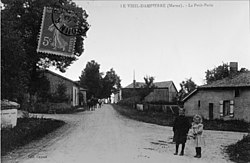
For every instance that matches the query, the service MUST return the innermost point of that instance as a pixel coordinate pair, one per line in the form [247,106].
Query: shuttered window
[227,108]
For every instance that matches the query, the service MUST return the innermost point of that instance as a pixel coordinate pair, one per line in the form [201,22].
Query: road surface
[104,136]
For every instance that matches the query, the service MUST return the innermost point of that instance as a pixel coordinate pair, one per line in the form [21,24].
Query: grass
[164,119]
[240,151]
[148,117]
[27,129]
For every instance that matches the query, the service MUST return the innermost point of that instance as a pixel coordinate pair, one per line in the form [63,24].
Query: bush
[41,108]
[53,108]
[148,117]
[227,125]
[131,101]
[240,151]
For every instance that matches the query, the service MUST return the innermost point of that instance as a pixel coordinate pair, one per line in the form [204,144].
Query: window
[227,108]
[199,104]
[236,92]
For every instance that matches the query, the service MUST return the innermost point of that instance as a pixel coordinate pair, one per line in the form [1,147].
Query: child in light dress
[197,134]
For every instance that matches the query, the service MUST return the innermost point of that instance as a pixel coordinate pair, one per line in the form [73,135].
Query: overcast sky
[163,41]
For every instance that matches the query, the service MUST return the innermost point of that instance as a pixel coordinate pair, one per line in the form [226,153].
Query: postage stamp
[52,40]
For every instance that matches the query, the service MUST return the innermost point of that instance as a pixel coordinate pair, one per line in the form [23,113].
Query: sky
[169,40]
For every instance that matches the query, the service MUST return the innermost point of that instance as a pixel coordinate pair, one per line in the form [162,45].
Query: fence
[169,109]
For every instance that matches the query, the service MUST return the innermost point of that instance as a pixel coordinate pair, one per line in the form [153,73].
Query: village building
[77,95]
[162,92]
[225,99]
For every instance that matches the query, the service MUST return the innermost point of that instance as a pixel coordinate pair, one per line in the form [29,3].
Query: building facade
[163,91]
[76,94]
[226,99]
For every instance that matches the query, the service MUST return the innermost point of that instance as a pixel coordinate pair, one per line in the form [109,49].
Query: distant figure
[89,104]
[197,130]
[99,103]
[92,103]
[181,128]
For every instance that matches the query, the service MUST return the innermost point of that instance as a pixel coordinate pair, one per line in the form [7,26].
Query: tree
[14,77]
[98,86]
[43,88]
[147,88]
[220,72]
[91,79]
[243,70]
[60,94]
[217,73]
[187,87]
[110,83]
[21,21]
[149,82]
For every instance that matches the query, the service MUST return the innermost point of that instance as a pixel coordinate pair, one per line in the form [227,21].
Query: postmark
[70,22]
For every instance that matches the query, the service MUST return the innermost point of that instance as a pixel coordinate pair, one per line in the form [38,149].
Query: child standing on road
[197,129]
[181,128]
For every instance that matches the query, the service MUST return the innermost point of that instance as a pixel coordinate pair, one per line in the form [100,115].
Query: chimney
[133,83]
[233,67]
[134,80]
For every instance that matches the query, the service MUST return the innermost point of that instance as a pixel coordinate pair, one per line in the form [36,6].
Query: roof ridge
[239,79]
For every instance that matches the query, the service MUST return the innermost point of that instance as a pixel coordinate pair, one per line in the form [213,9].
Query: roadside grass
[164,119]
[27,129]
[148,117]
[240,151]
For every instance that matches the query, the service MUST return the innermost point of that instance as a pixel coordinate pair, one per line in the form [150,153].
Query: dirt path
[104,136]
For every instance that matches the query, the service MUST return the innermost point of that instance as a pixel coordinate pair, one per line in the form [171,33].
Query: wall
[75,96]
[158,95]
[172,93]
[55,80]
[84,96]
[242,105]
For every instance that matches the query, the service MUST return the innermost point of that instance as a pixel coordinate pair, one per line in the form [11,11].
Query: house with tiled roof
[226,99]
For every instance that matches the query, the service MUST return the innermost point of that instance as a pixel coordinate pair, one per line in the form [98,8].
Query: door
[211,111]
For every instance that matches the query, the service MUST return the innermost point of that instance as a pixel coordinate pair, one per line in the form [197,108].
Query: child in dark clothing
[181,128]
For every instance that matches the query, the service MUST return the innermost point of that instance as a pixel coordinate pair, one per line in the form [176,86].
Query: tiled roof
[60,76]
[137,85]
[165,84]
[239,80]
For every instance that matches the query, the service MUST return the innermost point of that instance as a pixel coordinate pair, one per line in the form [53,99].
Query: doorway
[211,111]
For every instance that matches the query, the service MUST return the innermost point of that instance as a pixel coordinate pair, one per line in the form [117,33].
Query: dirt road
[104,136]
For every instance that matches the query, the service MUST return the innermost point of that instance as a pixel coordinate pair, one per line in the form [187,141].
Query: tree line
[98,84]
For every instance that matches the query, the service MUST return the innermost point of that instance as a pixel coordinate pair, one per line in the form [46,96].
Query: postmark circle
[66,21]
